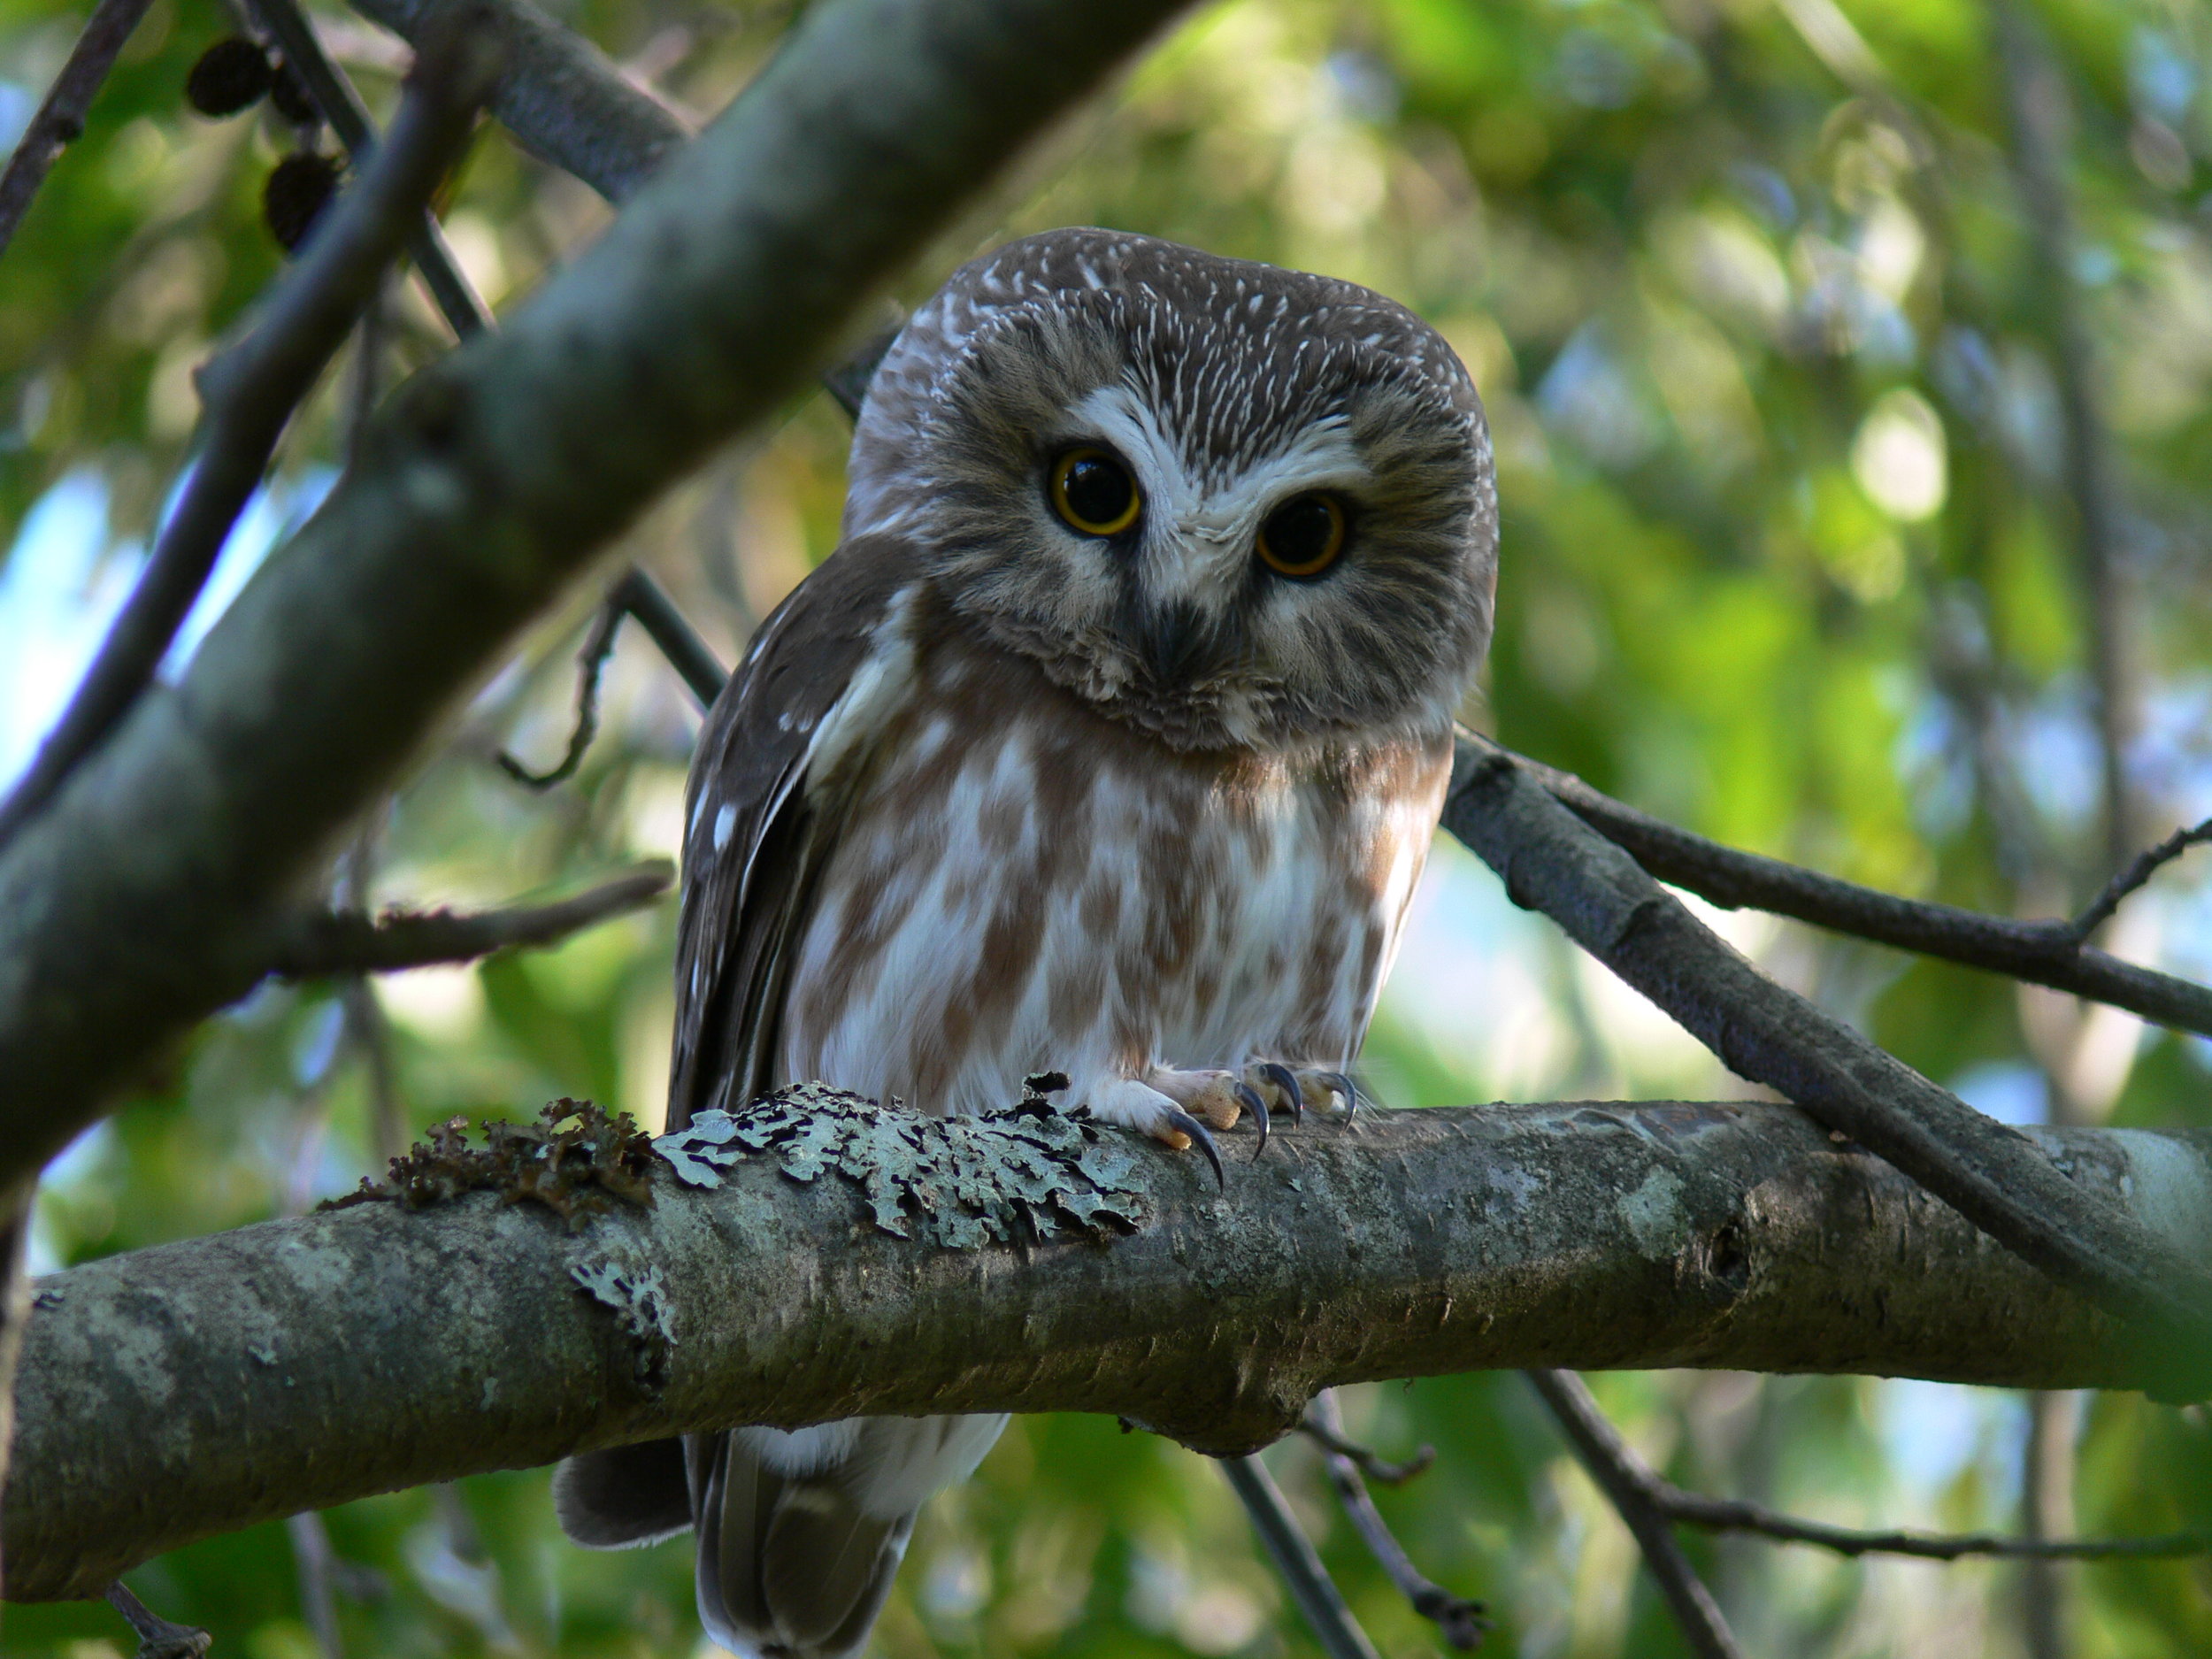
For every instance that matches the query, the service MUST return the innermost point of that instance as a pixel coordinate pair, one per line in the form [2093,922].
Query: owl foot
[1156,1112]
[1297,1088]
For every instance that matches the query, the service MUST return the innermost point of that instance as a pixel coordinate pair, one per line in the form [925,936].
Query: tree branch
[142,898]
[1319,1600]
[251,391]
[334,97]
[561,96]
[2042,953]
[327,942]
[60,118]
[1458,1620]
[1614,1467]
[1995,1176]
[201,1386]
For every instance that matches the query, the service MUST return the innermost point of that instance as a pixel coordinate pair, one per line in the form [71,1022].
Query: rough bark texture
[201,1386]
[142,898]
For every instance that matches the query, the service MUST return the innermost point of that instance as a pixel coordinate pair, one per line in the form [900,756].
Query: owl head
[1229,504]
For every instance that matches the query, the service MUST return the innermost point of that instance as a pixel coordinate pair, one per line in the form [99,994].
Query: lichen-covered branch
[144,896]
[186,1390]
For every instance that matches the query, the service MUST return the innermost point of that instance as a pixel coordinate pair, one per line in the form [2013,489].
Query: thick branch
[326,942]
[2042,953]
[251,391]
[561,96]
[142,898]
[200,1386]
[60,118]
[1996,1177]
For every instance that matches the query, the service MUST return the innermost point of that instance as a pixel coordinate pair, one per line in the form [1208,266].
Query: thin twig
[315,1561]
[1319,1426]
[1294,1557]
[60,118]
[2140,869]
[2037,105]
[1458,1620]
[687,653]
[2040,952]
[251,391]
[1995,1177]
[328,943]
[591,662]
[1617,1469]
[341,107]
[158,1638]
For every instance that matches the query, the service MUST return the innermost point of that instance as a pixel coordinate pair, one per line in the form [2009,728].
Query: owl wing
[822,671]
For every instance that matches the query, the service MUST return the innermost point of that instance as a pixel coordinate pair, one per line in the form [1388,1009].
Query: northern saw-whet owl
[1109,742]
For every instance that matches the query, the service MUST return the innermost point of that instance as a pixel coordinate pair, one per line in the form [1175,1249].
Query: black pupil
[1299,532]
[1097,490]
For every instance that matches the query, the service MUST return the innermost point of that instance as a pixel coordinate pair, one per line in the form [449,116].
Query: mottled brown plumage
[1002,790]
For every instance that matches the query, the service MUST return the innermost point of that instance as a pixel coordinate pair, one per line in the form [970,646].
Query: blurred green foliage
[1749,293]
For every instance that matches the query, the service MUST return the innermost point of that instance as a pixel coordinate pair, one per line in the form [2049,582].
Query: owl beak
[1173,641]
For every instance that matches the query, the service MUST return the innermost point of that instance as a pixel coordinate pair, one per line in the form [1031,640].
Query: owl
[1110,742]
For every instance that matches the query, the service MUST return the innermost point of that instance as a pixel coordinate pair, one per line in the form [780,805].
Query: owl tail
[800,1534]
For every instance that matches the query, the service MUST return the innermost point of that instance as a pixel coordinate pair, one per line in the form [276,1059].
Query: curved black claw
[1345,1086]
[1178,1118]
[1286,1079]
[1258,1107]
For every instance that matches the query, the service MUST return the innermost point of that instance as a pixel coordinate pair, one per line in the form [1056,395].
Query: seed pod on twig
[295,194]
[289,94]
[230,75]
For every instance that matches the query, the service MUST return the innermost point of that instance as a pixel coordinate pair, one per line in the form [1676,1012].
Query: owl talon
[1176,1118]
[1258,1107]
[1284,1081]
[1345,1086]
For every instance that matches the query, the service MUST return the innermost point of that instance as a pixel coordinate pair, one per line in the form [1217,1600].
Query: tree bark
[202,1387]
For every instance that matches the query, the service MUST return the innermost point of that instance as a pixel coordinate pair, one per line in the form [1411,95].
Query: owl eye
[1303,537]
[1093,492]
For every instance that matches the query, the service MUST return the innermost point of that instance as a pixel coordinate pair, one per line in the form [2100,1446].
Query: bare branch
[2042,953]
[1318,1599]
[687,653]
[141,900]
[1619,1472]
[1319,1426]
[1458,1620]
[591,662]
[59,121]
[158,1638]
[302,1364]
[336,942]
[1733,1514]
[2139,870]
[334,97]
[563,98]
[251,390]
[1550,860]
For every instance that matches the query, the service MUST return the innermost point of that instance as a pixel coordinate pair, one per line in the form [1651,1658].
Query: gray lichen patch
[642,1309]
[958,1182]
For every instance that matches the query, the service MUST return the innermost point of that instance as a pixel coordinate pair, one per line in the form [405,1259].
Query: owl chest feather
[1021,885]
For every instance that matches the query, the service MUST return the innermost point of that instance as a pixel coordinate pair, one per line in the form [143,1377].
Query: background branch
[327,942]
[2041,953]
[60,118]
[300,1364]
[251,391]
[1995,1176]
[1614,1467]
[1320,1601]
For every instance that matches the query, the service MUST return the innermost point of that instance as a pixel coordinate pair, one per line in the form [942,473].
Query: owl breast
[1021,885]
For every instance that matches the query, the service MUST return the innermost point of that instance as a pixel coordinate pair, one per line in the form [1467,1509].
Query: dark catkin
[290,96]
[230,75]
[295,194]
